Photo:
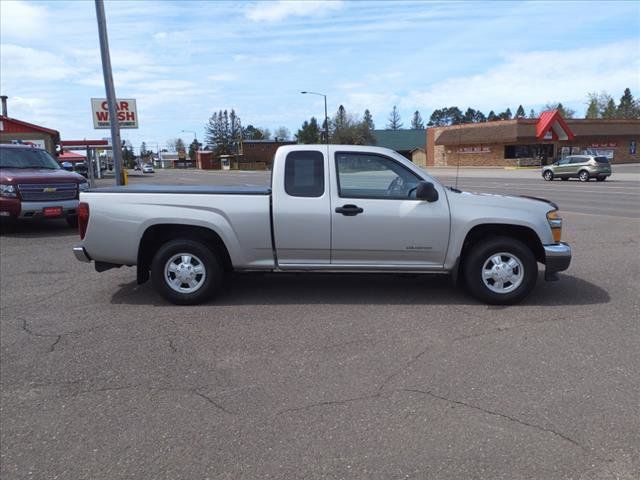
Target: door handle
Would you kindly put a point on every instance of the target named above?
(349, 210)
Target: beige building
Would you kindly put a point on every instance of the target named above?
(524, 142)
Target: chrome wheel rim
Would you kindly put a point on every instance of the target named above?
(184, 273)
(548, 175)
(502, 272)
(584, 176)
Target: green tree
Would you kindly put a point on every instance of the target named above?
(253, 133)
(365, 130)
(506, 115)
(565, 112)
(281, 134)
(533, 114)
(492, 117)
(443, 117)
(593, 106)
(416, 121)
(520, 112)
(473, 116)
(143, 151)
(610, 109)
(628, 107)
(194, 146)
(309, 132)
(394, 120)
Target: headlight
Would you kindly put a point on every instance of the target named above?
(84, 186)
(7, 190)
(555, 222)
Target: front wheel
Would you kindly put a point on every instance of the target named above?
(500, 271)
(583, 176)
(548, 175)
(186, 272)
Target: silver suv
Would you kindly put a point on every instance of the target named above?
(583, 167)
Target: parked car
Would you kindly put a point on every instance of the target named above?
(147, 168)
(33, 185)
(337, 208)
(582, 167)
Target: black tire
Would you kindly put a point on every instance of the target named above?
(601, 179)
(583, 176)
(72, 221)
(548, 175)
(564, 179)
(207, 284)
(478, 259)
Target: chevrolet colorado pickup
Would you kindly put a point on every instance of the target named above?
(330, 208)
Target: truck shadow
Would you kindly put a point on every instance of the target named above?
(354, 289)
(37, 228)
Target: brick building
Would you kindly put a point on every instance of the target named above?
(523, 142)
(258, 154)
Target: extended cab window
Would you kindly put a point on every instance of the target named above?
(304, 174)
(362, 175)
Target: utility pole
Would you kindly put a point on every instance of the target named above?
(110, 91)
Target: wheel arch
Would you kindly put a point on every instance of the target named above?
(482, 231)
(156, 235)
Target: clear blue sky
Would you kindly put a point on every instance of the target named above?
(184, 60)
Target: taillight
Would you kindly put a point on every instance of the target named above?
(83, 218)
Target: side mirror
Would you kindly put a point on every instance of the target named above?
(426, 191)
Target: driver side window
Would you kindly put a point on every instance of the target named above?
(365, 175)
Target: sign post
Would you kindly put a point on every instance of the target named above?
(110, 91)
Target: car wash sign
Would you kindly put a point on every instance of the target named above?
(125, 108)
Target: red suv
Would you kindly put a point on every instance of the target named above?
(33, 185)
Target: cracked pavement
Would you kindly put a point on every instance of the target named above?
(300, 376)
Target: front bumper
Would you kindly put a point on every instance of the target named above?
(557, 259)
(81, 254)
(35, 209)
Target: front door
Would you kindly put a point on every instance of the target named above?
(376, 220)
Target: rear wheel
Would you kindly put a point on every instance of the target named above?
(601, 179)
(548, 175)
(500, 271)
(583, 176)
(186, 272)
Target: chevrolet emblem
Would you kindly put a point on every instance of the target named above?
(49, 189)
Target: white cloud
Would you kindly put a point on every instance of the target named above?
(280, 10)
(22, 63)
(535, 78)
(21, 20)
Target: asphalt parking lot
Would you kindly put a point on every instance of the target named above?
(324, 376)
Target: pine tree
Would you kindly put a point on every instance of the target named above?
(532, 114)
(520, 112)
(610, 110)
(628, 107)
(309, 132)
(394, 120)
(593, 108)
(368, 120)
(492, 117)
(416, 121)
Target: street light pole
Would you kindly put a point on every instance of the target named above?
(195, 138)
(116, 144)
(326, 117)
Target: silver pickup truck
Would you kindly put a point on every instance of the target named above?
(330, 208)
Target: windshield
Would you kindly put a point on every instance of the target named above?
(27, 158)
